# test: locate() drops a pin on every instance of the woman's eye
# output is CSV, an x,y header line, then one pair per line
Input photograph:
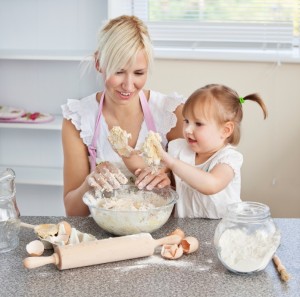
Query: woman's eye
x,y
186,121
198,124
139,73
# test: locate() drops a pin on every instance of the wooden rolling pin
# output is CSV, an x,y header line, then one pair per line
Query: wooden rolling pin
x,y
102,251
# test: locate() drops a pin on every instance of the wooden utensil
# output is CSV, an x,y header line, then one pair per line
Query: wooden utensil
x,y
102,251
45,230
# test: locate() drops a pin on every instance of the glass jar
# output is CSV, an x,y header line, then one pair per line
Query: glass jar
x,y
246,238
9,213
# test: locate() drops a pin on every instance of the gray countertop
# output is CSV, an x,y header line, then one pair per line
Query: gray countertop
x,y
197,274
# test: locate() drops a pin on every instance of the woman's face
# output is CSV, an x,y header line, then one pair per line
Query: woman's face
x,y
127,82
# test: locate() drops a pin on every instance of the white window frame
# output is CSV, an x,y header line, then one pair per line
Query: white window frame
x,y
194,35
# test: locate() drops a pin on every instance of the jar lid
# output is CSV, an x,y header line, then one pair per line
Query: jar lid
x,y
248,210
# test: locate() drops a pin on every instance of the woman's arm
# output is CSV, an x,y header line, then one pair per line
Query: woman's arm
x,y
144,176
76,170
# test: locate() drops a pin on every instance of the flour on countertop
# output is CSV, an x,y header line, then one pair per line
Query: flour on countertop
x,y
157,260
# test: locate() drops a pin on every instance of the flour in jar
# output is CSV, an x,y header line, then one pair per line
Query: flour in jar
x,y
138,201
246,252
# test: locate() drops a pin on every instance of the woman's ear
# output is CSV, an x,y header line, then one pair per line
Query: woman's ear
x,y
96,59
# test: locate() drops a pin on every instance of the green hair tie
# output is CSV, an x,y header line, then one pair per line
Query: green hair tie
x,y
242,100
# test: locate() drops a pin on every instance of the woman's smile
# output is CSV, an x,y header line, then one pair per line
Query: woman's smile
x,y
124,95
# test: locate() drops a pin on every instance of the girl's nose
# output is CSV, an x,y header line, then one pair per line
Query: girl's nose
x,y
189,129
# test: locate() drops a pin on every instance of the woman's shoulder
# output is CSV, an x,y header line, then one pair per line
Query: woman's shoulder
x,y
75,105
161,99
163,108
81,111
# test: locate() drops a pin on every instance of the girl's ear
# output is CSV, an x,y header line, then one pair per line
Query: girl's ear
x,y
96,59
228,129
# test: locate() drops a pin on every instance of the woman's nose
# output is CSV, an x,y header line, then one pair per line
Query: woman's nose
x,y
128,84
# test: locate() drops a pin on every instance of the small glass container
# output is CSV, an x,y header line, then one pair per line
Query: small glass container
x,y
9,213
246,238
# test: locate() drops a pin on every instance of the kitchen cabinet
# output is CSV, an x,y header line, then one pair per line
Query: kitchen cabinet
x,y
43,44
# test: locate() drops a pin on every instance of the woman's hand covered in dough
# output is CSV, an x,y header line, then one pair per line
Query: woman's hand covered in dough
x,y
149,179
118,139
106,177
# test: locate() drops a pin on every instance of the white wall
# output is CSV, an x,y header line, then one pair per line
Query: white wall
x,y
270,171
271,148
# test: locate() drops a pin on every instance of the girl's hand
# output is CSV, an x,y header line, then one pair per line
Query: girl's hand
x,y
147,178
106,177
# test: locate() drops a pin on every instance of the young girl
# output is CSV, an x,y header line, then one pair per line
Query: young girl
x,y
205,164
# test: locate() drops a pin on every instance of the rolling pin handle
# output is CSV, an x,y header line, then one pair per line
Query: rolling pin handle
x,y
171,239
26,225
34,262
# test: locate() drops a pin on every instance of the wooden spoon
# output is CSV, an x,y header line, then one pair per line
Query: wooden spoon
x,y
45,230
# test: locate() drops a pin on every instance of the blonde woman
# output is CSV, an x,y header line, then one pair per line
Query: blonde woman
x,y
124,57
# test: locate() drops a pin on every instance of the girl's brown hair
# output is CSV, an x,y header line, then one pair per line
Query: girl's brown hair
x,y
223,104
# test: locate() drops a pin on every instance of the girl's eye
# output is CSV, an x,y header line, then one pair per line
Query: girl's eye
x,y
198,124
139,73
186,121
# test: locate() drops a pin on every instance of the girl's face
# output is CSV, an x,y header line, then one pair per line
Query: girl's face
x,y
204,136
127,82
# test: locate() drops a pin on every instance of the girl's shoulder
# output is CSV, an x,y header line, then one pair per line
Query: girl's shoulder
x,y
230,150
228,155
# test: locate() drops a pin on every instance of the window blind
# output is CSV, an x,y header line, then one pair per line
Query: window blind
x,y
257,25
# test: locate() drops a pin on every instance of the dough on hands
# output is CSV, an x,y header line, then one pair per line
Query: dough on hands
x,y
118,138
151,149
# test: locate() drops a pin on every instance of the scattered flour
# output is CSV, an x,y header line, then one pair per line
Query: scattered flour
x,y
157,260
244,252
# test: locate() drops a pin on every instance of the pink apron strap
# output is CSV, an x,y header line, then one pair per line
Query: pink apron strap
x,y
92,148
147,113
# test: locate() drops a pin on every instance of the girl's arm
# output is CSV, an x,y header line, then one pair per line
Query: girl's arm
x,y
207,183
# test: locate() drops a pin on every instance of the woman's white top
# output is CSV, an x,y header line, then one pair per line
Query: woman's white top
x,y
83,114
193,204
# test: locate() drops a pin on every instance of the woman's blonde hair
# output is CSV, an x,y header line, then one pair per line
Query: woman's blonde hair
x,y
223,104
119,42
